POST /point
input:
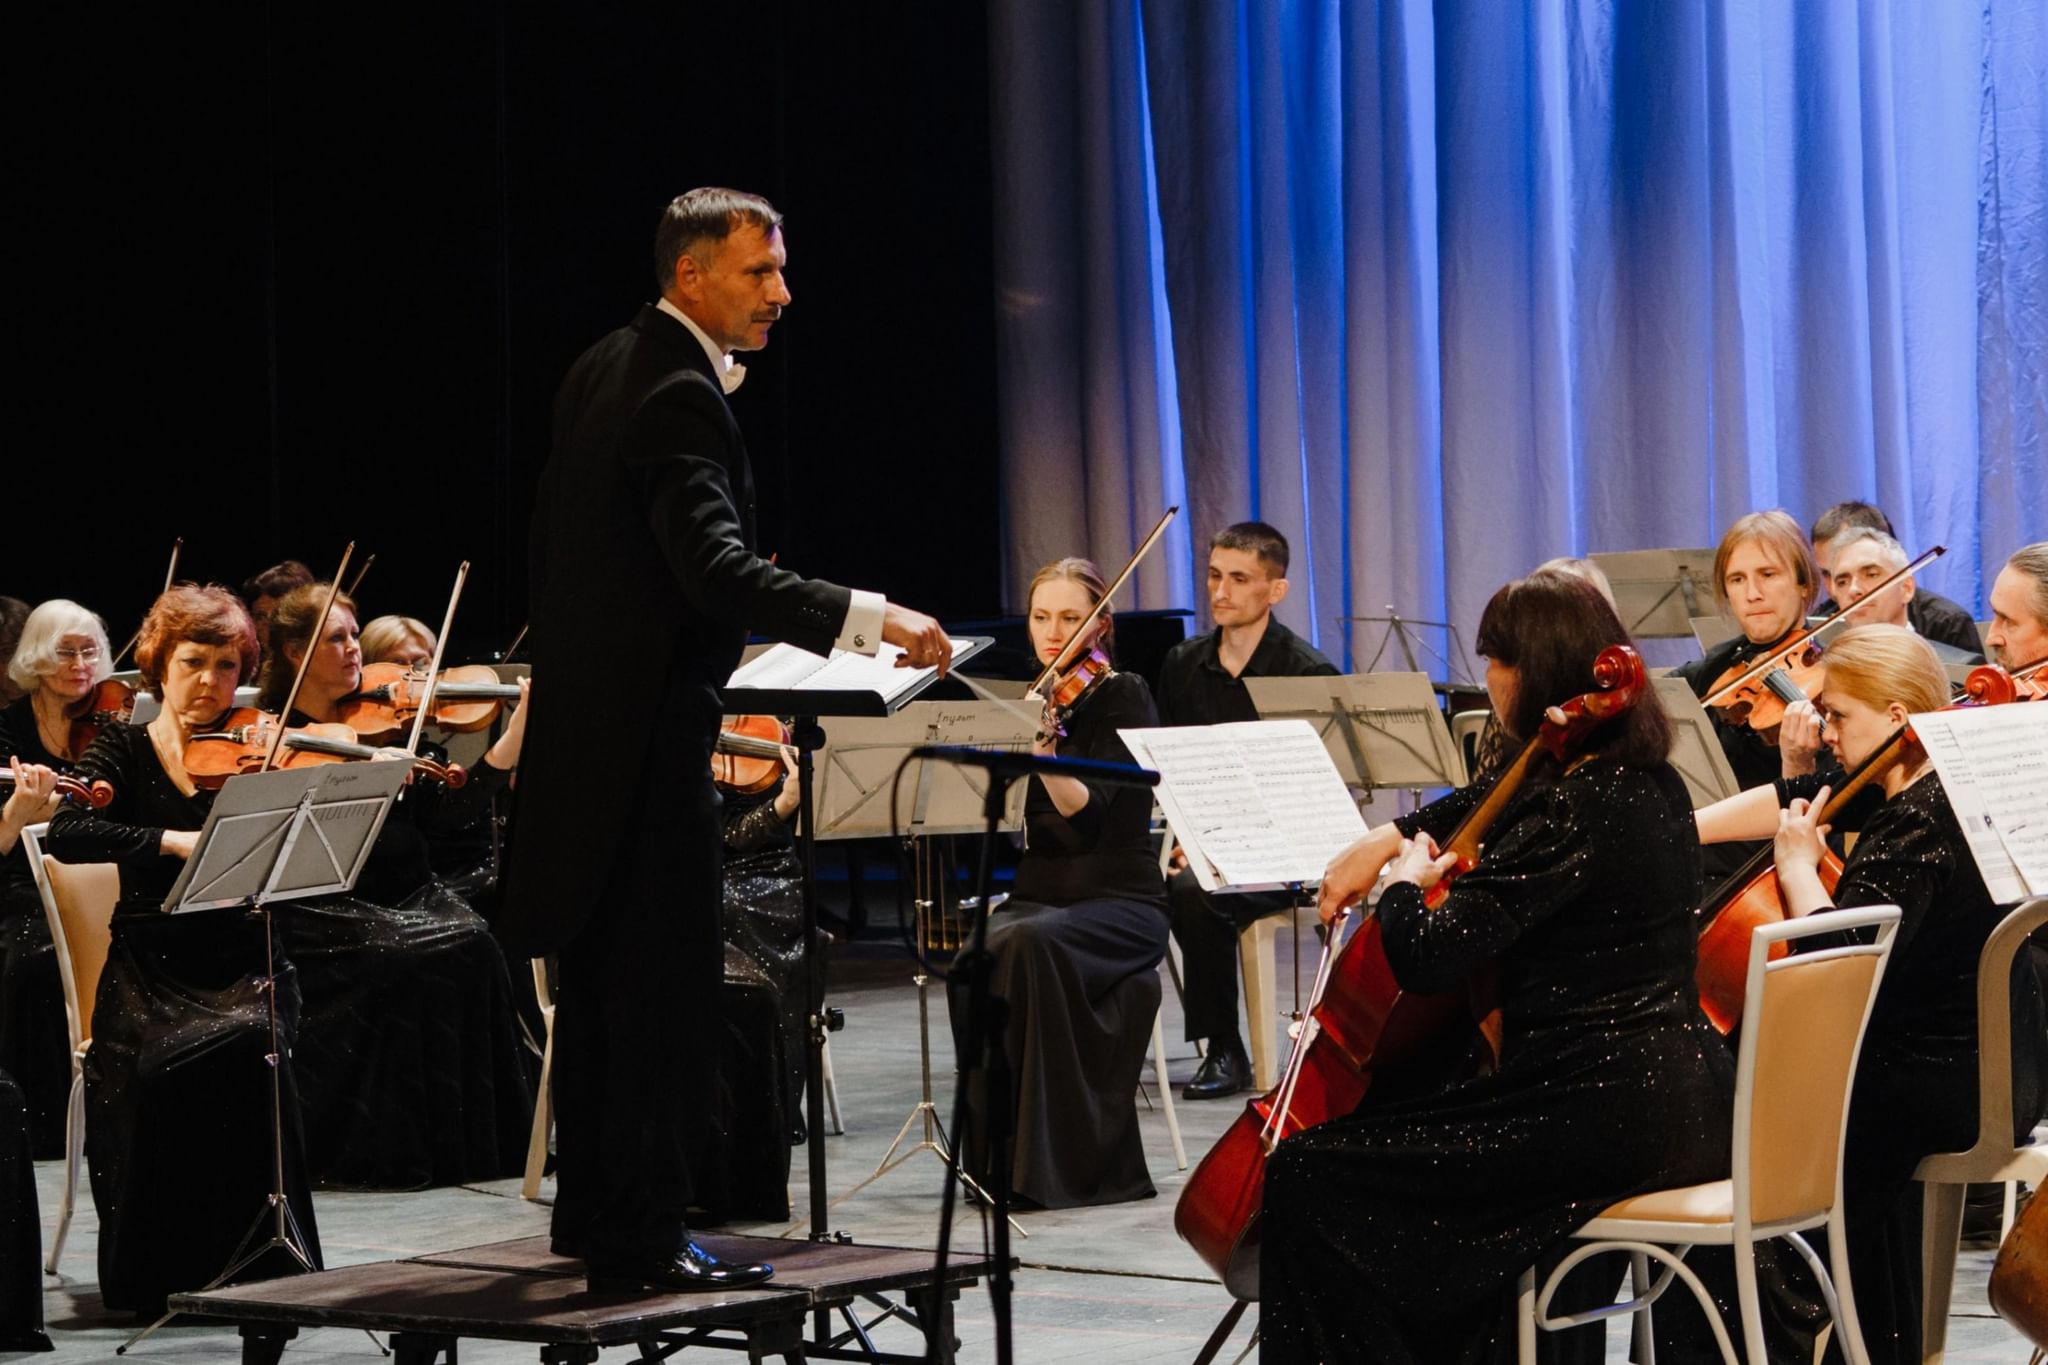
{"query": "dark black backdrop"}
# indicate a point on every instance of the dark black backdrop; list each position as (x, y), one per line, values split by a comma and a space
(285, 277)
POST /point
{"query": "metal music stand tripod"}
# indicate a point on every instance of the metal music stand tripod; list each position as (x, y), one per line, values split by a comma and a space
(944, 800)
(281, 836)
(1401, 630)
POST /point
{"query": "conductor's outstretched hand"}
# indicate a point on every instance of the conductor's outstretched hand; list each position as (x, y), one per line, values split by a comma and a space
(923, 640)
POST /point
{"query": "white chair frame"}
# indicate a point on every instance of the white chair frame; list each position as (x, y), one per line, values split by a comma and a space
(1667, 1240)
(78, 1018)
(1992, 1158)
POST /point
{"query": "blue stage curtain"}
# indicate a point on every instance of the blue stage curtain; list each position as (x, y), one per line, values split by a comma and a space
(1443, 290)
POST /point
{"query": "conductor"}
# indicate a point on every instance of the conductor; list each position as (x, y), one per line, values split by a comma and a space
(643, 531)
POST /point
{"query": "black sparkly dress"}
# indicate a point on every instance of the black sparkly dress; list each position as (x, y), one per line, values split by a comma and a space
(35, 1042)
(410, 1066)
(21, 1231)
(1916, 1081)
(761, 1070)
(1396, 1234)
(177, 1094)
(1077, 948)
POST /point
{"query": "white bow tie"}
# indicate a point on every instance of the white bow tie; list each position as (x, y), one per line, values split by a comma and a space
(734, 372)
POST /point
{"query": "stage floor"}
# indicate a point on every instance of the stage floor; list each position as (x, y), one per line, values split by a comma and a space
(1096, 1284)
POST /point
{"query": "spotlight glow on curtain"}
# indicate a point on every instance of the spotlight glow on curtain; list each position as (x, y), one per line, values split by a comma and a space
(1443, 290)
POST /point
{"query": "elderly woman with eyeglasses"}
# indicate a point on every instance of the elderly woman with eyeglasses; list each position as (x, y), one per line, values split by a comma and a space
(61, 656)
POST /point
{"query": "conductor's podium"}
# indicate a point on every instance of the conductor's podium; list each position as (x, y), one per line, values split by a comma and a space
(521, 1291)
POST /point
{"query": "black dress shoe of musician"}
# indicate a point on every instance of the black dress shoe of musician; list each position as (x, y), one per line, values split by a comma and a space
(1225, 1071)
(688, 1271)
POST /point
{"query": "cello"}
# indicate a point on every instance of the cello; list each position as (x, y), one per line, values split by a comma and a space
(1361, 1020)
(1752, 898)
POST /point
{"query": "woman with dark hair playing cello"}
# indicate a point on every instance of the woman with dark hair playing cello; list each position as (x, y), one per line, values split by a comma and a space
(1915, 1091)
(1396, 1233)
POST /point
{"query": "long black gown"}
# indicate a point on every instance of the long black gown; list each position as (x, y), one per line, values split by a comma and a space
(178, 1119)
(410, 1066)
(1076, 949)
(21, 1229)
(1916, 1080)
(1396, 1234)
(35, 1042)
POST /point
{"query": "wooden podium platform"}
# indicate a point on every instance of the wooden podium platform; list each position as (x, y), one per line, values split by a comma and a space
(521, 1291)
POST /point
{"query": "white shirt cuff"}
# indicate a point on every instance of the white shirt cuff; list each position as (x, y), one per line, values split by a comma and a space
(862, 630)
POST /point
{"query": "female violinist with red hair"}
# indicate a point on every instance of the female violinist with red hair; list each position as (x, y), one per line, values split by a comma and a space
(178, 1121)
(1396, 1233)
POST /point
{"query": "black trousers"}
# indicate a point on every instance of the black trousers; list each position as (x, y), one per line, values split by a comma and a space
(637, 1029)
(1206, 927)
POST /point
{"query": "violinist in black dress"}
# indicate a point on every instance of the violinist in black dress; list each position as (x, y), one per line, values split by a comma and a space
(410, 1065)
(177, 1132)
(1077, 946)
(1396, 1233)
(1915, 1091)
(644, 530)
(61, 657)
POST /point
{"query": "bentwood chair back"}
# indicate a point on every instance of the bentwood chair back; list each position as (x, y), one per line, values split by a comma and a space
(78, 901)
(1992, 1158)
(1802, 1029)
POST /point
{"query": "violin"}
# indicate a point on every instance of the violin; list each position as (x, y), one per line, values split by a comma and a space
(1074, 686)
(1755, 694)
(1080, 668)
(99, 795)
(748, 756)
(1361, 1020)
(111, 702)
(389, 696)
(244, 738)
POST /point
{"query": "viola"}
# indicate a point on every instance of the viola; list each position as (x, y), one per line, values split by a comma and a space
(111, 702)
(1990, 685)
(1756, 693)
(1361, 1021)
(389, 697)
(99, 795)
(748, 755)
(244, 737)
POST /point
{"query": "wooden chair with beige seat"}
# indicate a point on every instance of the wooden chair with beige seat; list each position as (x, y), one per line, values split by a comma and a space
(78, 900)
(1802, 1028)
(1992, 1158)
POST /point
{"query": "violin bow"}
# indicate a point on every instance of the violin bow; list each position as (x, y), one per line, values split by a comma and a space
(291, 698)
(1080, 635)
(1821, 633)
(517, 641)
(170, 575)
(361, 574)
(419, 720)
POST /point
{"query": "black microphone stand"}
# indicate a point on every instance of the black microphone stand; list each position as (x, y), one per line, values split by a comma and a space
(988, 1017)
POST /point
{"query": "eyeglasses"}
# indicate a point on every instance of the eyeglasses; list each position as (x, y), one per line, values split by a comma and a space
(88, 655)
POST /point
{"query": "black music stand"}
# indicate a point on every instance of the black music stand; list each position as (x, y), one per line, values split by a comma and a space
(805, 706)
(281, 836)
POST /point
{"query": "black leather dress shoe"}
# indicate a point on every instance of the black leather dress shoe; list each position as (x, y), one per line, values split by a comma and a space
(1225, 1071)
(690, 1270)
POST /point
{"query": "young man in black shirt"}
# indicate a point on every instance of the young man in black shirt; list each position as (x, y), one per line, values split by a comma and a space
(1201, 682)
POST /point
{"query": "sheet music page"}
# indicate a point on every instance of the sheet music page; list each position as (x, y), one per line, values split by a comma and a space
(1258, 802)
(1993, 762)
(787, 668)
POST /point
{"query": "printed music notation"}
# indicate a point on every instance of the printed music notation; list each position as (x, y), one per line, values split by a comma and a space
(1993, 763)
(1255, 804)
